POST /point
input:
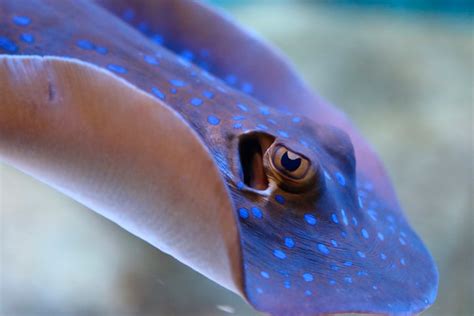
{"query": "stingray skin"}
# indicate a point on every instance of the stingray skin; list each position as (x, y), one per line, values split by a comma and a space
(346, 248)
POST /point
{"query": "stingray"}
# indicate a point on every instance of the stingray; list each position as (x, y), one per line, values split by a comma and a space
(197, 136)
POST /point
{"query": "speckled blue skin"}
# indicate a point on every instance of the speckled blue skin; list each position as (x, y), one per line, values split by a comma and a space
(343, 249)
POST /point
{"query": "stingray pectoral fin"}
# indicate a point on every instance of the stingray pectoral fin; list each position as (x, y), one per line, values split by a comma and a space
(220, 45)
(122, 153)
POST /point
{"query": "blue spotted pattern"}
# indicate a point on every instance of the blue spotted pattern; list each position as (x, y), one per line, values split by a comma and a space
(257, 212)
(213, 120)
(334, 255)
(196, 101)
(158, 93)
(310, 219)
(117, 68)
(8, 45)
(279, 254)
(21, 20)
(289, 242)
(27, 38)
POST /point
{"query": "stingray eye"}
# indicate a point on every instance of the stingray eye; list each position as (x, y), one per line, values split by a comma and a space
(292, 171)
(290, 163)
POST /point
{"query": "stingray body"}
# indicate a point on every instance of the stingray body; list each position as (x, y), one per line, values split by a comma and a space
(331, 239)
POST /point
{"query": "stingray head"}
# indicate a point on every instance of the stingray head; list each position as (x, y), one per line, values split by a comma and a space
(315, 235)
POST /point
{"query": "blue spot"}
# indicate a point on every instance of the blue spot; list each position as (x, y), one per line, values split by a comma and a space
(402, 261)
(237, 126)
(307, 293)
(85, 44)
(361, 205)
(289, 242)
(257, 212)
(158, 93)
(8, 45)
(143, 27)
(262, 127)
(355, 221)
(152, 60)
(187, 54)
(240, 185)
(101, 50)
(204, 53)
(264, 110)
(272, 121)
(323, 249)
(343, 234)
(365, 234)
(296, 119)
(265, 274)
(287, 284)
(21, 20)
(243, 213)
(402, 241)
(128, 15)
(280, 199)
(208, 94)
(383, 256)
(117, 68)
(380, 236)
(310, 219)
(243, 107)
(348, 279)
(403, 234)
(238, 117)
(361, 254)
(372, 214)
(157, 38)
(247, 87)
(348, 263)
(362, 273)
(334, 267)
(375, 287)
(231, 79)
(344, 217)
(340, 178)
(304, 143)
(334, 218)
(283, 134)
(173, 91)
(196, 101)
(308, 277)
(213, 120)
(326, 175)
(279, 254)
(259, 290)
(177, 83)
(334, 243)
(332, 282)
(27, 38)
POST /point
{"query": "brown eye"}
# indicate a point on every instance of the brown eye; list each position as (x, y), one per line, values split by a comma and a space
(290, 163)
(292, 171)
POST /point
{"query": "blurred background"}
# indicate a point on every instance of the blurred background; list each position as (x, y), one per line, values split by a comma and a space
(402, 70)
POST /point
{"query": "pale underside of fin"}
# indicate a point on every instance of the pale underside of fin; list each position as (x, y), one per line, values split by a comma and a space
(122, 153)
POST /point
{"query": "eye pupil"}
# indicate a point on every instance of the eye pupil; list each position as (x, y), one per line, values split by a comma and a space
(290, 164)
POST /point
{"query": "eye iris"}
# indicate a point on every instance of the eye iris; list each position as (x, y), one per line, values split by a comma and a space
(290, 164)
